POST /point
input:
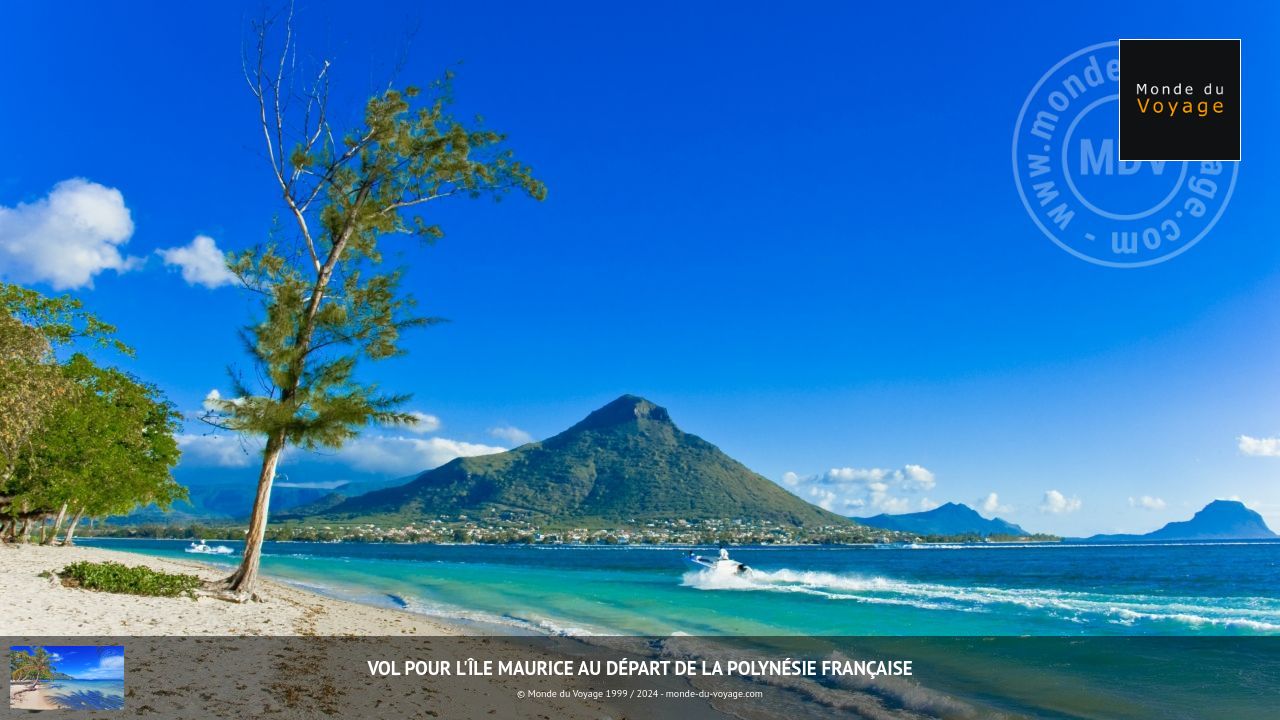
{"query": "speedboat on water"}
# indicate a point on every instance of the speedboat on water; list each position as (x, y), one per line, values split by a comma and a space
(203, 548)
(718, 565)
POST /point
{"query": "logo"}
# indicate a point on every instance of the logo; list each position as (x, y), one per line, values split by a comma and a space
(1107, 211)
(1180, 100)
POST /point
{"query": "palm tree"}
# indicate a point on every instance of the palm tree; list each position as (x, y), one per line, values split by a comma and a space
(16, 664)
(35, 665)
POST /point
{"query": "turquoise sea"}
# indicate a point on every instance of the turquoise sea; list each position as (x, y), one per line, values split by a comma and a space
(1216, 588)
(1114, 632)
(86, 694)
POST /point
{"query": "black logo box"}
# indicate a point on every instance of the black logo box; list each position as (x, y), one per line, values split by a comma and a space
(1187, 68)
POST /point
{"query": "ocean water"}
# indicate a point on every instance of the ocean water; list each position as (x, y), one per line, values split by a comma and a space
(1107, 632)
(1176, 589)
(86, 694)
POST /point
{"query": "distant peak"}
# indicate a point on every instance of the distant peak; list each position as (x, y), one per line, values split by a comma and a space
(1234, 507)
(625, 409)
(955, 508)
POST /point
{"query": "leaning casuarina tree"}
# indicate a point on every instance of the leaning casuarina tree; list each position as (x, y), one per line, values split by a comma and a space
(328, 299)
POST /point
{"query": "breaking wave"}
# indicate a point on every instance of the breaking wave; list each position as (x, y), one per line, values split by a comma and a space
(506, 623)
(1135, 612)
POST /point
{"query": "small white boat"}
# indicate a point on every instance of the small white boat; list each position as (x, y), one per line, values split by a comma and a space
(203, 548)
(719, 565)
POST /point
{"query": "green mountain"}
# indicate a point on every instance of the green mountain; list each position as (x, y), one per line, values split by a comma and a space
(625, 463)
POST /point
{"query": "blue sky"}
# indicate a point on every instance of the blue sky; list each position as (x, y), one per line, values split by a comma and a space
(794, 227)
(84, 662)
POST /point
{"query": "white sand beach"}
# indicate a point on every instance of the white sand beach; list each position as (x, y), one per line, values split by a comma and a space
(34, 605)
(300, 681)
(22, 697)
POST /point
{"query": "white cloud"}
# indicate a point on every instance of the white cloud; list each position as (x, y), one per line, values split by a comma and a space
(865, 491)
(211, 400)
(991, 505)
(322, 485)
(913, 476)
(1147, 502)
(110, 667)
(66, 238)
(201, 262)
(392, 455)
(1058, 504)
(1260, 447)
(426, 423)
(511, 434)
(214, 402)
(396, 455)
(919, 477)
(221, 450)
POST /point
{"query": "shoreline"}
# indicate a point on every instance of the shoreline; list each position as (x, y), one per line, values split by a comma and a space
(300, 678)
(1064, 542)
(309, 650)
(22, 699)
(659, 546)
(42, 606)
(45, 697)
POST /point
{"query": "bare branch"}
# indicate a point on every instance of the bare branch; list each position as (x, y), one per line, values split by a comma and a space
(319, 100)
(420, 200)
(402, 57)
(334, 166)
(284, 55)
(260, 84)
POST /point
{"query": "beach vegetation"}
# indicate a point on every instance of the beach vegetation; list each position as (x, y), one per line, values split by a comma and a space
(131, 580)
(328, 298)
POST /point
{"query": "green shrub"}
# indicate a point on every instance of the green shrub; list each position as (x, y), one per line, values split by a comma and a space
(117, 578)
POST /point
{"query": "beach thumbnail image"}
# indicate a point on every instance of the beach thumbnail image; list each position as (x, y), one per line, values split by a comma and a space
(66, 677)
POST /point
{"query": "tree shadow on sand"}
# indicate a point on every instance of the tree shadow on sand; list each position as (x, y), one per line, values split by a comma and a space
(89, 700)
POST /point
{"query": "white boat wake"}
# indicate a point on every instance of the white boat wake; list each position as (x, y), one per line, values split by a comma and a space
(1234, 614)
(203, 548)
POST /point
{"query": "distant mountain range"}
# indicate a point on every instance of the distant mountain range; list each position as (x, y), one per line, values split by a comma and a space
(626, 462)
(1219, 520)
(232, 500)
(948, 519)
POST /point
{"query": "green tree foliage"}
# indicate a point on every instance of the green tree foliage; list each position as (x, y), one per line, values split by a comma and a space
(30, 388)
(31, 326)
(35, 666)
(328, 298)
(61, 320)
(106, 449)
(78, 439)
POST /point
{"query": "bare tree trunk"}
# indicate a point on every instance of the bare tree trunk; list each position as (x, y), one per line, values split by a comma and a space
(57, 526)
(71, 529)
(243, 581)
(26, 530)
